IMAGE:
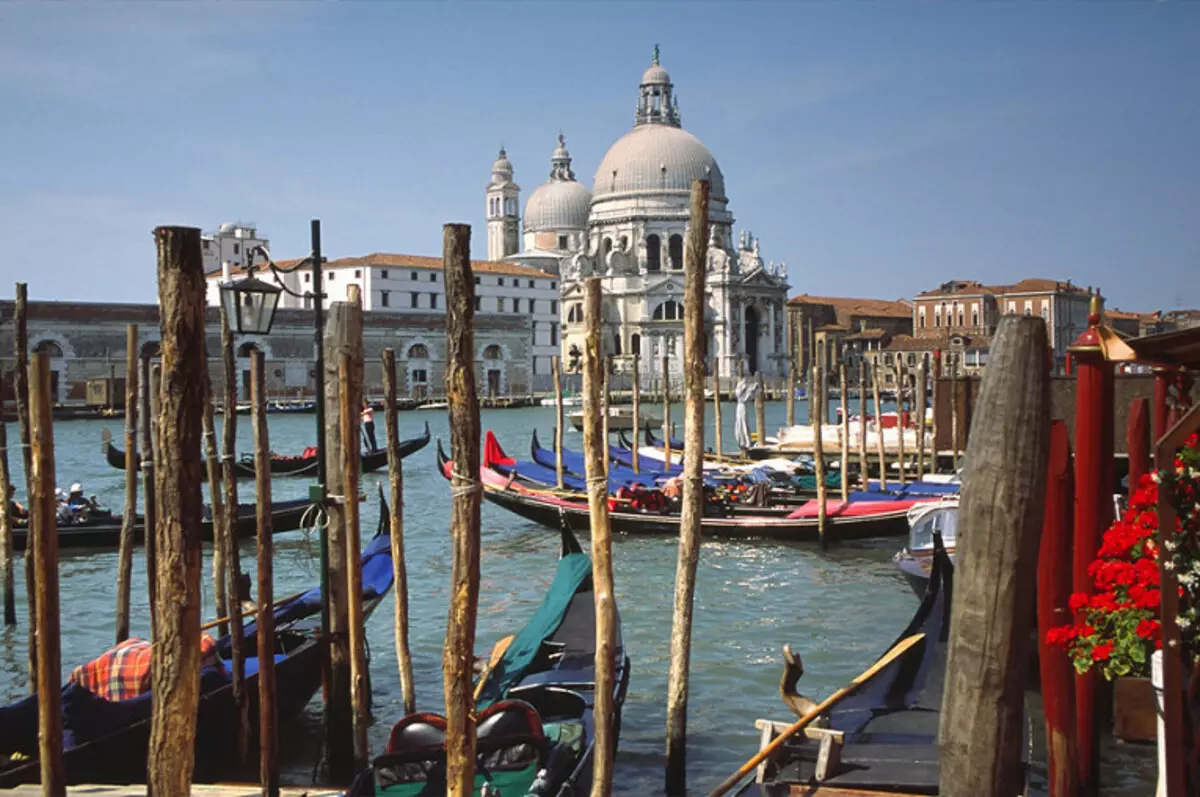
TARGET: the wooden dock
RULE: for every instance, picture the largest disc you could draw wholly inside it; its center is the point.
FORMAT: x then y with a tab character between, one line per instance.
198	790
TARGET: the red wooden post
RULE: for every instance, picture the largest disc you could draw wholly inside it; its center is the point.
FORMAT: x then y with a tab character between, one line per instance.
1137	440
1093	503
1162	384
1053	592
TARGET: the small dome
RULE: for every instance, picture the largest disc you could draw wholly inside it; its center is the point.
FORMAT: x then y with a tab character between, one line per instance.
557	205
657	157
656	74
502	170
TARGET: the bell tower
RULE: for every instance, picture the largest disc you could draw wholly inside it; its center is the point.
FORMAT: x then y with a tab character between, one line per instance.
503	199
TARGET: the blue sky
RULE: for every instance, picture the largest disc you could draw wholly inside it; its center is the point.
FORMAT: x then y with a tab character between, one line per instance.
878	149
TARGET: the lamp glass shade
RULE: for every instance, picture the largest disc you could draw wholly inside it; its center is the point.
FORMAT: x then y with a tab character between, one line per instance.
250	305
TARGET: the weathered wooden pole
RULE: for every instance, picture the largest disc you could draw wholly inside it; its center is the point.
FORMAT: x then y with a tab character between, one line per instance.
818	425
921	400
693	488
637	411
791	396
1053	592
879	427
606	403
129	515
459	650
900	425
666	427
807	368
212	467
21	388
760	409
1137	440
151	381
982	728
717	447
349	401
268	713
595	453
556	366
954	410
343	335
935	403
396	529
232	557
1093	504
864	472
43	543
175	661
6	525
845	447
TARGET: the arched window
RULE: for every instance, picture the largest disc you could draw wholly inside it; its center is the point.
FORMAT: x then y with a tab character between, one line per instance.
624	243
675	251
606	246
418	351
668	311
653	254
635	344
617	344
575	314
493	352
246	348
49	348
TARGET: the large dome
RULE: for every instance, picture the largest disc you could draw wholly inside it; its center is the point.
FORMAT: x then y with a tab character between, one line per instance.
557	205
655	157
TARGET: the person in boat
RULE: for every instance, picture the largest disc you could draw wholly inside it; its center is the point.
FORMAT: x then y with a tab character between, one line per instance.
368	422
79	508
123	672
16	510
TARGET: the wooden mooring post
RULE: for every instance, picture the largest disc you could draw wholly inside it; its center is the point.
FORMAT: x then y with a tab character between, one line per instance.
760	409
717	445
693	489
343	335
1053	593
666	424
818	426
556	366
21	389
791	396
981	730
129	514
883	474
175	656
901	403
43	544
350	382
6	527
212	467
845	446
935	405
268	714
921	401
606	403
637	411
396	530
864	472
595	451
232	556
954	411
459	650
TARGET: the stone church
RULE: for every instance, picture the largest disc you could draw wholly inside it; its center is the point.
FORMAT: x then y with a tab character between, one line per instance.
629	229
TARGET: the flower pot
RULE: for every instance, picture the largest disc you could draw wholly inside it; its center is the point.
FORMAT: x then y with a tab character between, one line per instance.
1135	711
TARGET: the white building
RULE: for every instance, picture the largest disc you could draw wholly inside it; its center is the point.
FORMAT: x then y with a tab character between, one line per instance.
630	230
231	243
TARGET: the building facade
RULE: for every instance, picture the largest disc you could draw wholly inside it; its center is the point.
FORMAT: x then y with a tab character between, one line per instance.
821	325
630	231
232	243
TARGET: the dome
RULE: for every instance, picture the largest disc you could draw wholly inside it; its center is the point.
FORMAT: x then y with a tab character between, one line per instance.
655	74
656	157
558	205
502	170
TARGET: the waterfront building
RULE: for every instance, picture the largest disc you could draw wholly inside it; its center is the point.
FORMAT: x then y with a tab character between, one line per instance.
827	323
232	243
86	344
630	228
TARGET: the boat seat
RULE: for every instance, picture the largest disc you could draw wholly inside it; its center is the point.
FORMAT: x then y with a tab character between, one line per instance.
553	703
417	735
568	677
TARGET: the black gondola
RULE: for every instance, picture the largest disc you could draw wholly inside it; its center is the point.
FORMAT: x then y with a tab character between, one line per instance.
301	465
534	715
106	741
547	508
890	726
103	530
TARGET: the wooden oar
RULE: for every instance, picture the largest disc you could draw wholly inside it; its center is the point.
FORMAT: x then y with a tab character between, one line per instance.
765	753
498	651
280	602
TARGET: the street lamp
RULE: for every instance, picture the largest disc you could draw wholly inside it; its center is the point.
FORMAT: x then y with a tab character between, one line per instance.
250	303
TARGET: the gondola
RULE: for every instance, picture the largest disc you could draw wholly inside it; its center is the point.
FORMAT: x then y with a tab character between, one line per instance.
619	473
301	465
534	721
927	523
889	727
887	519
103	530
106	741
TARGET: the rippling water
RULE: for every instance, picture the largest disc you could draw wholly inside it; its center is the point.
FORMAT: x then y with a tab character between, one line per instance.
838	609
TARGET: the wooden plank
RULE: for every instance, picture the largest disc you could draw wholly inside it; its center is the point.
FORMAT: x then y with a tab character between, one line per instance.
459	651
129	515
175	659
268	713
396	530
982	727
693	488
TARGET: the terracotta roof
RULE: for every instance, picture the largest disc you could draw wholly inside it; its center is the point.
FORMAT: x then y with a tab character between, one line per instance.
832	328
412	261
910	343
868	334
973	287
899	308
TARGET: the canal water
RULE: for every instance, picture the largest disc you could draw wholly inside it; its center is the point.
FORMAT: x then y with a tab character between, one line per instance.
838	609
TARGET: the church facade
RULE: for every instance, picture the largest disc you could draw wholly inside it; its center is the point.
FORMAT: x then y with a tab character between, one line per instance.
629	229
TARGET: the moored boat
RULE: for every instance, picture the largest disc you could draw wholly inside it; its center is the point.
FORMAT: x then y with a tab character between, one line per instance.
304	464
927	522
535	727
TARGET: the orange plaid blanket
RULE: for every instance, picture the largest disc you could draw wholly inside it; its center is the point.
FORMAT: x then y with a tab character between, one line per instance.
123	672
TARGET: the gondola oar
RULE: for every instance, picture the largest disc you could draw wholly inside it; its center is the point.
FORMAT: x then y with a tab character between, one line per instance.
248	612
762	755
498	651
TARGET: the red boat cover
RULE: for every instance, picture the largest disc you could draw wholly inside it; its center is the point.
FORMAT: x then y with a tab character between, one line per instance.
123	672
855	508
493	454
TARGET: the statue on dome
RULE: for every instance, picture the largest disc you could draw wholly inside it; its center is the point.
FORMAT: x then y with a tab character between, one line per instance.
656	55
